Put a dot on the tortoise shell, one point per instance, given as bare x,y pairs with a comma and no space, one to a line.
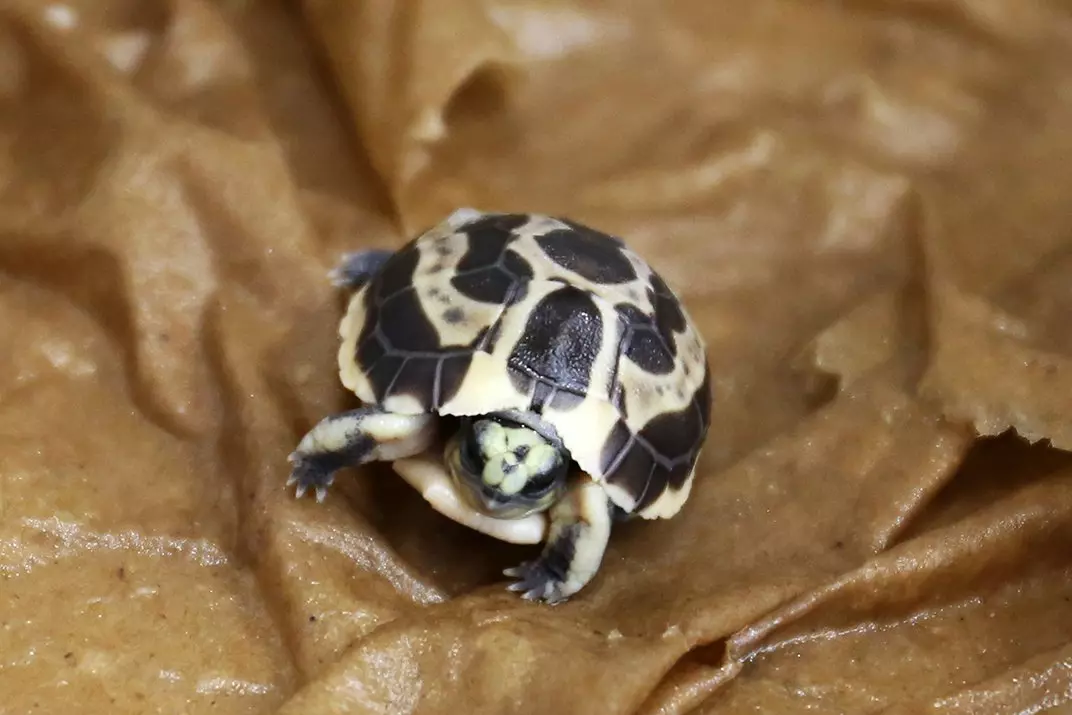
491,312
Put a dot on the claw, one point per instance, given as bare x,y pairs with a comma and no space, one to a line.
292,480
321,494
533,584
300,491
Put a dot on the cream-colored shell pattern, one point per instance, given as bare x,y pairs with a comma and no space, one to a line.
490,312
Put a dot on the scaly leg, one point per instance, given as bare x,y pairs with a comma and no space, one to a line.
577,538
367,434
357,268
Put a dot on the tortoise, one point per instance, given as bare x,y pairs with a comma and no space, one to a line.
547,376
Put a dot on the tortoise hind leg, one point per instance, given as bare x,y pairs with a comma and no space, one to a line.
355,269
367,434
576,541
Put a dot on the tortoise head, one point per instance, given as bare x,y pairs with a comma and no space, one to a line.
506,469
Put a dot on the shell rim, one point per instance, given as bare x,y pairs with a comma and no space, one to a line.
349,328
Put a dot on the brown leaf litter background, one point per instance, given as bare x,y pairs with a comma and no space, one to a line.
865,205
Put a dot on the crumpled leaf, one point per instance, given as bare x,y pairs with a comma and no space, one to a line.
863,206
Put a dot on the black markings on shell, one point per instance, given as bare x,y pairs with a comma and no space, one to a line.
558,347
415,376
615,448
452,372
403,318
488,271
590,254
396,348
668,315
662,454
634,472
674,434
396,276
370,347
581,228
642,343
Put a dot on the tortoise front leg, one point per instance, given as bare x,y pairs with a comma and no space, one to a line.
367,434
576,541
356,269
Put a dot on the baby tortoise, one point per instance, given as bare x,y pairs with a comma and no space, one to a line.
577,382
